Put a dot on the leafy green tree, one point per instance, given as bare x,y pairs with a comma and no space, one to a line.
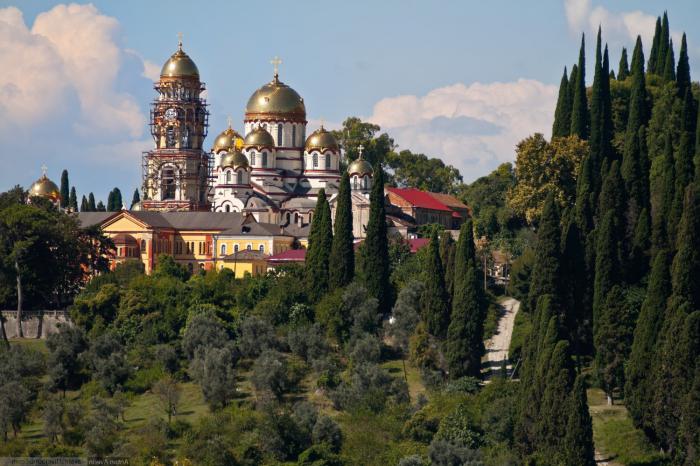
52,415
203,331
579,107
356,133
341,263
434,300
689,432
600,142
547,266
213,369
271,374
107,361
110,202
65,189
91,203
100,207
623,69
447,258
326,431
320,242
574,277
662,51
420,171
255,335
559,382
662,195
63,360
375,249
14,407
102,428
562,114
168,393
578,442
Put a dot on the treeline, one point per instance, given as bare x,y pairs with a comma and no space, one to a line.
614,270
69,199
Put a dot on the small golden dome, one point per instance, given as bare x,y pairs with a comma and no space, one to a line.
321,140
259,137
234,159
179,65
44,187
275,99
229,140
360,167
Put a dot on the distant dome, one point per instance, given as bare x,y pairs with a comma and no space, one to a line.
228,140
275,99
179,65
44,187
360,167
259,137
321,140
234,159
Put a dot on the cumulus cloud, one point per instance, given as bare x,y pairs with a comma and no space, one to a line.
473,127
70,55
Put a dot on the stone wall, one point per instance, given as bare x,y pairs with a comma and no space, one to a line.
35,324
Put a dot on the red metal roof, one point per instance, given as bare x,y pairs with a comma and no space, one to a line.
419,198
290,255
418,243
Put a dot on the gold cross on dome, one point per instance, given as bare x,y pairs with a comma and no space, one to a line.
322,122
44,169
360,148
276,62
228,119
179,40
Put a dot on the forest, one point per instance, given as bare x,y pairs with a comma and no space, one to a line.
374,356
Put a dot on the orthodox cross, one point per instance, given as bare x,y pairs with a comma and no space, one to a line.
322,121
276,62
360,148
179,40
228,119
44,169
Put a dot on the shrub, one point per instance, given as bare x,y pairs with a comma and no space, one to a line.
213,369
327,431
421,427
270,374
255,336
203,331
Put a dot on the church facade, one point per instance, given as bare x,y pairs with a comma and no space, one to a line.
273,170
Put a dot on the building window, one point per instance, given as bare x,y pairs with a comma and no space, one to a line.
279,135
228,208
328,161
294,135
168,183
314,156
365,182
354,182
262,248
235,248
228,177
223,249
264,159
249,247
239,177
252,158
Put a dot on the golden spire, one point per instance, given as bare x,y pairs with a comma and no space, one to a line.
276,62
228,119
179,41
44,169
322,121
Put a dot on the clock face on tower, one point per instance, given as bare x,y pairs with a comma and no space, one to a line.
170,114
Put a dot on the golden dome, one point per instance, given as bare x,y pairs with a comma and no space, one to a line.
275,99
44,187
229,140
259,137
360,167
179,65
321,140
234,159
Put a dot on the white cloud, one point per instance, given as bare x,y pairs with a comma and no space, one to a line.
473,127
69,56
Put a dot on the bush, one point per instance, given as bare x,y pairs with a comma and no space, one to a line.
203,331
270,374
413,460
370,387
443,453
213,369
463,385
255,336
459,428
421,427
327,431
365,349
307,342
107,361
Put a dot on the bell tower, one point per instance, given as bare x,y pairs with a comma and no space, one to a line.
176,173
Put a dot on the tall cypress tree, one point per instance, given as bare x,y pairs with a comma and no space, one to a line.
110,201
73,200
84,205
683,70
654,54
683,168
465,335
135,198
576,304
342,258
375,249
664,39
670,65
562,114
320,240
578,441
607,265
662,197
623,70
447,257
595,142
579,106
65,189
100,207
91,203
547,264
555,398
118,202
638,384
434,308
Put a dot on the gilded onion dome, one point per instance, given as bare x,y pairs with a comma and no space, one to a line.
234,159
259,137
44,187
321,140
275,100
229,140
179,65
360,167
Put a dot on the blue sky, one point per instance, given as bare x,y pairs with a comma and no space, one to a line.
459,80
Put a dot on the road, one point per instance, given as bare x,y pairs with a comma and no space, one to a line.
497,346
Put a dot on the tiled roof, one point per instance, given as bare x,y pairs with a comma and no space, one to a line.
245,254
449,200
88,219
418,198
418,243
290,255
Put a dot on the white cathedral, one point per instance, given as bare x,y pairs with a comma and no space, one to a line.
273,172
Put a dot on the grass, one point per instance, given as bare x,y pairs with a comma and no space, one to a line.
415,384
616,438
31,343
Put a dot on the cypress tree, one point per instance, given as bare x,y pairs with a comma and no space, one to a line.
683,70
664,39
697,148
547,267
110,201
118,203
65,189
465,346
342,258
135,198
607,266
73,200
662,198
579,106
638,384
576,302
562,114
375,249
578,442
683,168
595,142
585,209
91,203
686,262
623,69
559,382
84,205
436,313
320,240
100,207
654,54
689,430
447,257
670,65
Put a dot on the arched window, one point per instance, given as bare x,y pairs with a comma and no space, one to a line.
228,177
252,158
315,159
239,177
296,217
228,208
354,182
168,183
249,247
170,137
223,249
235,248
294,135
279,135
328,161
264,159
365,182
311,215
262,248
288,217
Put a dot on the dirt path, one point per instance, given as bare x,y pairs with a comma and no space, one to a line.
497,346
